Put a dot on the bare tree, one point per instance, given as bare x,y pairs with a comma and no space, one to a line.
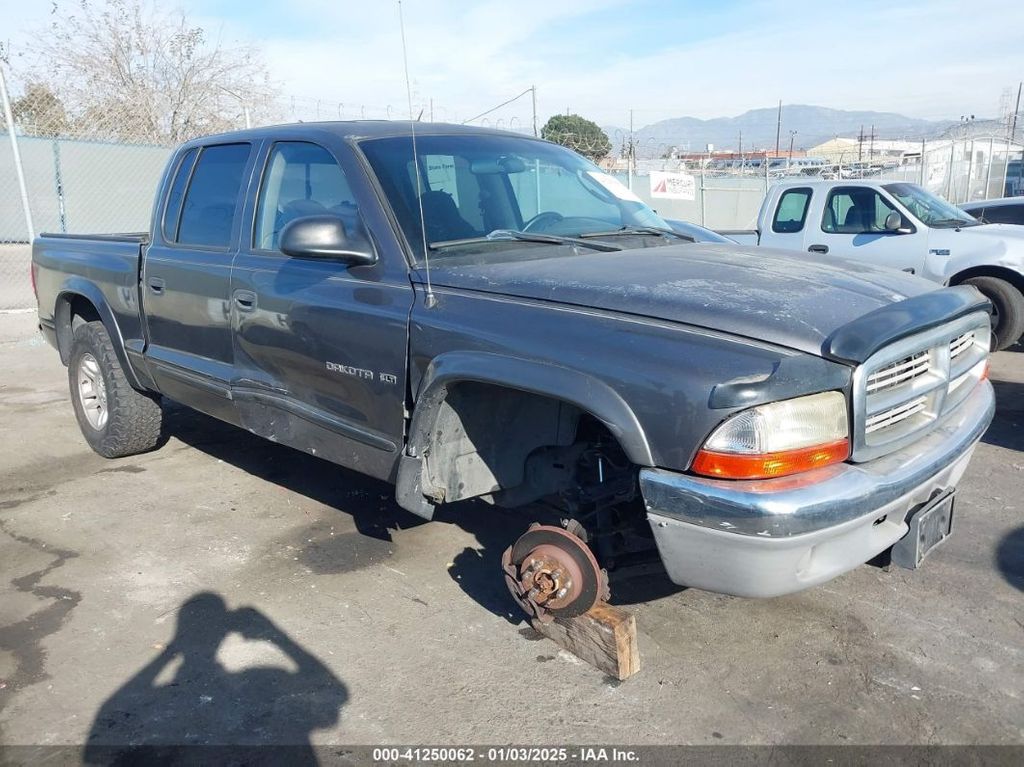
126,70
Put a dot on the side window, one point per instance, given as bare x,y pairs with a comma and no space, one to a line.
792,211
208,212
172,210
855,210
300,179
1004,214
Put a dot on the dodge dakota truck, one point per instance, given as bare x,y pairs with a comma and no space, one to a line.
472,314
901,226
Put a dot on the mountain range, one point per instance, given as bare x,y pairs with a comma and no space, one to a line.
812,124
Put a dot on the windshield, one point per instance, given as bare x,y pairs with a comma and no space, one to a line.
476,189
931,210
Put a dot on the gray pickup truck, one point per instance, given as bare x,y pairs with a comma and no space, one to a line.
467,313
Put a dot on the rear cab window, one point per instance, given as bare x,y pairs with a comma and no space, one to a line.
210,204
791,212
176,193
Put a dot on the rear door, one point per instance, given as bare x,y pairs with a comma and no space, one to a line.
320,347
852,225
186,279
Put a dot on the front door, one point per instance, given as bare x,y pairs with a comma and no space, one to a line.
186,278
853,226
319,346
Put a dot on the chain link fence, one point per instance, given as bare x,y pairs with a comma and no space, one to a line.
99,172
725,193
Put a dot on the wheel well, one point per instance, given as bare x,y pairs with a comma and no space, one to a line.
1009,275
71,311
510,446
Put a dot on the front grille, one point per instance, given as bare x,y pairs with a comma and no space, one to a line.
898,372
960,344
894,415
903,390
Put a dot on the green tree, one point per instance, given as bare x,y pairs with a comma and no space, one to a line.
39,112
579,134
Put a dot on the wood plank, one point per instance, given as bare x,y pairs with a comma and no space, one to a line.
604,637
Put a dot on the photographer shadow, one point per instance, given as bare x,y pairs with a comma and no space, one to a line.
184,701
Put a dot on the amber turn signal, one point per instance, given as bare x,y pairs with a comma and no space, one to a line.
768,465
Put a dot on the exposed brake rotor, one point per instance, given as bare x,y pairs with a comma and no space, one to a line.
553,573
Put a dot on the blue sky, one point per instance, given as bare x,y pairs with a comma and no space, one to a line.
933,59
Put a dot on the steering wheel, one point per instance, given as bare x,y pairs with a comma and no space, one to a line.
542,219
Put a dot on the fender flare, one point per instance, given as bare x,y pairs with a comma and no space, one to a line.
590,395
79,287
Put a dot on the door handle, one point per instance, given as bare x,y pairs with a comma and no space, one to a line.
157,285
818,249
245,300
910,270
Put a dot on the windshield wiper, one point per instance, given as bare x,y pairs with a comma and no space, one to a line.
513,235
956,222
630,230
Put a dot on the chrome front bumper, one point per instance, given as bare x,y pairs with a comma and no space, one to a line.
765,538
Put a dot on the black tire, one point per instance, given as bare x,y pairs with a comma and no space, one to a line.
132,419
1008,321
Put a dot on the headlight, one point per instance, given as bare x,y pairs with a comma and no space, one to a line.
778,439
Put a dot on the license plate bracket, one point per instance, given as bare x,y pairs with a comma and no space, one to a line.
930,526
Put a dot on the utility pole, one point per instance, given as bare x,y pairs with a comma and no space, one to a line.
871,146
778,129
533,97
629,157
741,145
1016,109
860,144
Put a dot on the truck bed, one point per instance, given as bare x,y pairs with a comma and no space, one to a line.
102,267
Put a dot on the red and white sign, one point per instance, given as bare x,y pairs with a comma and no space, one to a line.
673,186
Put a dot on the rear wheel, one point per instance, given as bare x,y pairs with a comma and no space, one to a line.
115,419
1008,309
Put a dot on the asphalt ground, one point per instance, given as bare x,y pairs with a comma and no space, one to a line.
224,589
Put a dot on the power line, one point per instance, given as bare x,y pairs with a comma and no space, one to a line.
502,104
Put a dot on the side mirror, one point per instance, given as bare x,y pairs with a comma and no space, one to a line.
325,237
893,222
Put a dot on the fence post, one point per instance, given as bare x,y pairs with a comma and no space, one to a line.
58,185
988,173
703,207
970,174
949,170
19,169
1006,170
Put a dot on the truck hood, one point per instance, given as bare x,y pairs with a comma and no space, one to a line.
1004,236
779,297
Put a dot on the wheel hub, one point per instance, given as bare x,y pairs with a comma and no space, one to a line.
92,391
551,573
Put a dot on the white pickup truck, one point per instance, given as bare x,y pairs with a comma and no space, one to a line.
902,226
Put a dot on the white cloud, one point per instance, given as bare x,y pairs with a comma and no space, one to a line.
936,58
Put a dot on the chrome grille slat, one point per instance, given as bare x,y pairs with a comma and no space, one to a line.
899,372
902,390
960,344
895,415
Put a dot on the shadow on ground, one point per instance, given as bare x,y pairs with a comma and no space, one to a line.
1010,558
477,570
184,697
1007,429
